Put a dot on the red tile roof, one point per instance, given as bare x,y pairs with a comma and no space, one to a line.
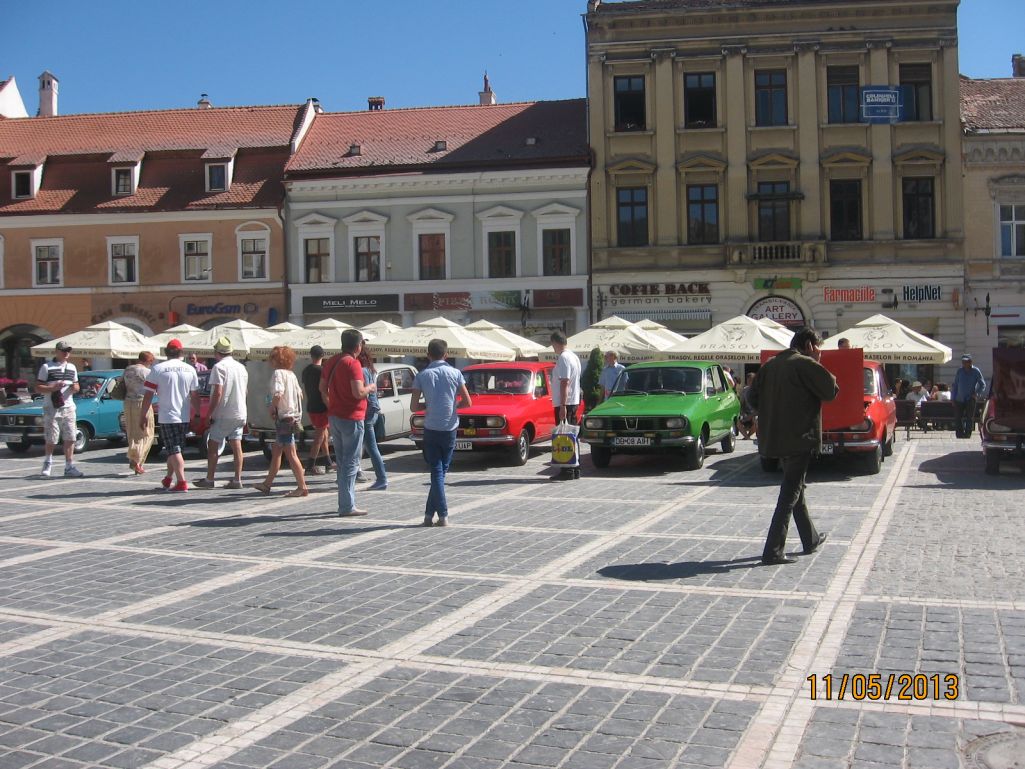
78,151
993,105
476,137
641,6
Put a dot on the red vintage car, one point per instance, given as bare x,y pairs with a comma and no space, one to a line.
1002,426
872,437
512,409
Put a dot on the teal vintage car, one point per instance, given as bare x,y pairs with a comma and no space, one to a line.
663,407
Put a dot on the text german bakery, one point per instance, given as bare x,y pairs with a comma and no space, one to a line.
658,289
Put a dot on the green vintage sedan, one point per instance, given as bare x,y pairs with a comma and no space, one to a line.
662,407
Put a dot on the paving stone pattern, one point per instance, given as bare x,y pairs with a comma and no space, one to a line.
622,621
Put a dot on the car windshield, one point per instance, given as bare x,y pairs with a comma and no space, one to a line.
204,383
90,386
870,381
494,381
654,381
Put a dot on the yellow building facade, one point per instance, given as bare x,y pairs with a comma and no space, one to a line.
735,172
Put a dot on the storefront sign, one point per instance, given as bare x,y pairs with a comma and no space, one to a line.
126,309
922,293
779,309
557,297
768,284
325,305
220,308
659,289
464,300
848,295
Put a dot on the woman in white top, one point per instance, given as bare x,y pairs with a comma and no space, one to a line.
286,411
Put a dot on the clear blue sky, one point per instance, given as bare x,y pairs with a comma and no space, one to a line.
114,55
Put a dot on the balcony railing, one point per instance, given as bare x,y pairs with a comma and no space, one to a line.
784,252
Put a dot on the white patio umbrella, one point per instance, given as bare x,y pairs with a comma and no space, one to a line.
657,329
301,341
329,323
377,328
525,348
739,339
101,340
284,326
631,344
182,332
461,343
888,341
242,333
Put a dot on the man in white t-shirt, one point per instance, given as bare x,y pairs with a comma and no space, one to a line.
176,386
565,391
57,382
229,383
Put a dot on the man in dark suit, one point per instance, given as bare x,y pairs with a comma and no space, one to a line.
788,393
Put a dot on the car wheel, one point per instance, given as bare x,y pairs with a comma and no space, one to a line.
888,445
769,464
601,456
694,455
729,443
21,447
83,434
992,462
874,460
521,451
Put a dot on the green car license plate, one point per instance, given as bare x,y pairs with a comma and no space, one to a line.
631,441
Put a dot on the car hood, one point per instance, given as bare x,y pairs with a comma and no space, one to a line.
22,409
629,405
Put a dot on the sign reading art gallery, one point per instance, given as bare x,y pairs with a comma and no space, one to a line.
779,309
325,305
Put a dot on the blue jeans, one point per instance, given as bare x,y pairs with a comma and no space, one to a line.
438,447
370,441
347,436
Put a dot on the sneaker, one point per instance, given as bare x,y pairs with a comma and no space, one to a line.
378,486
180,487
428,520
352,513
442,520
233,484
361,478
47,469
73,472
203,483
318,470
166,481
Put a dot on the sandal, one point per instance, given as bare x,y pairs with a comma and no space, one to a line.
263,488
298,493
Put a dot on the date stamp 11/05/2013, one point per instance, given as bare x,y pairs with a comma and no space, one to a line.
872,687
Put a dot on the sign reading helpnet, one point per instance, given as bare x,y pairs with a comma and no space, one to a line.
882,104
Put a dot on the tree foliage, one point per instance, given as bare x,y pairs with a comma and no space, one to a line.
589,387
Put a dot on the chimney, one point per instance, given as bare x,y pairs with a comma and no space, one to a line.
204,102
48,88
1018,65
375,103
487,96
314,102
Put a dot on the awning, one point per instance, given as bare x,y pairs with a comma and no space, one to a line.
636,315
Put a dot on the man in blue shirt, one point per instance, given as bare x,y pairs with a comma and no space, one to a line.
610,373
443,388
969,384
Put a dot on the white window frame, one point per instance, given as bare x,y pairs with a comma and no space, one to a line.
258,231
366,224
431,221
35,177
999,230
189,236
228,170
502,219
113,240
39,242
556,216
133,174
310,227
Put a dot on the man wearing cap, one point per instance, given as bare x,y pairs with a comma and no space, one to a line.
229,382
177,385
57,382
317,409
969,385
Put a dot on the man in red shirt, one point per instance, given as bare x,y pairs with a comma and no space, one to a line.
341,385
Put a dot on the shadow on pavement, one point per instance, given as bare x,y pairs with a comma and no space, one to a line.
966,470
336,532
230,523
650,572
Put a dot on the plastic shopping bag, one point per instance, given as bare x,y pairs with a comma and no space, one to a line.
566,445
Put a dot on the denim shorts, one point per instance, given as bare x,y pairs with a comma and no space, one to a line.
284,431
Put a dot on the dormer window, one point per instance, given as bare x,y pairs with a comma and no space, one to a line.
216,177
123,181
21,182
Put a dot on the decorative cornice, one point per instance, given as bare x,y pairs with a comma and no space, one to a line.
572,178
995,151
734,50
808,46
1009,188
